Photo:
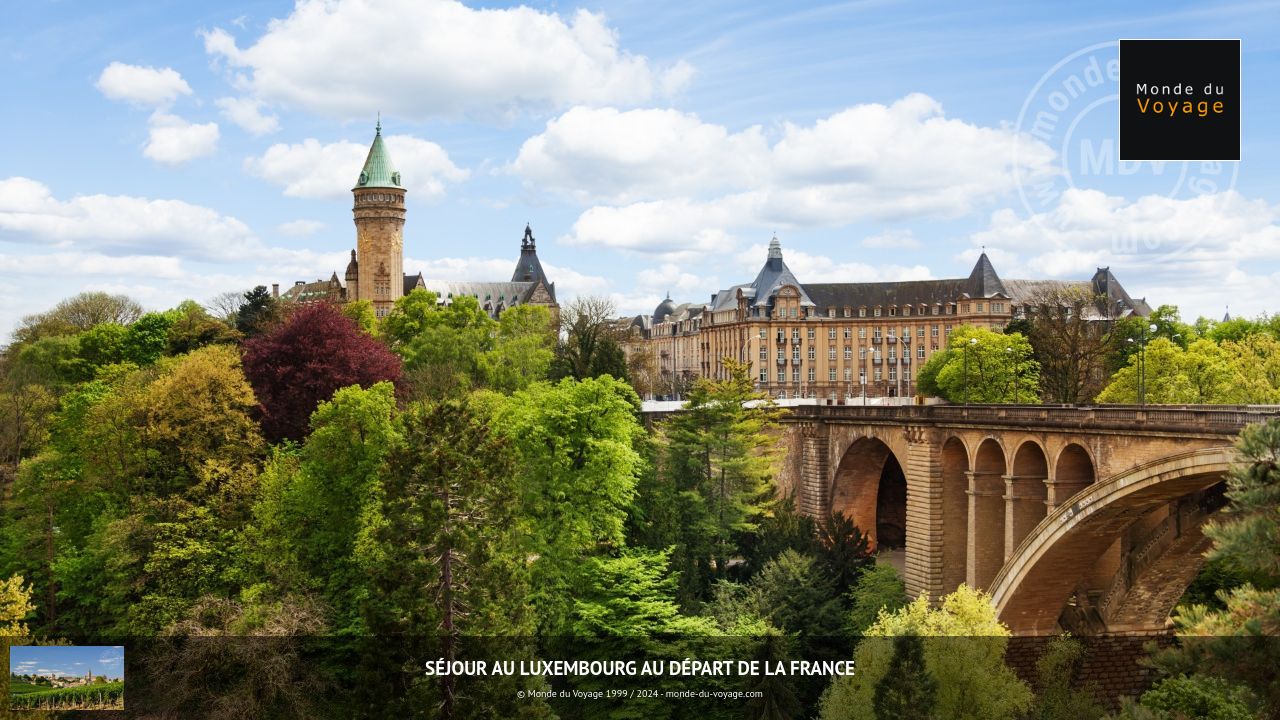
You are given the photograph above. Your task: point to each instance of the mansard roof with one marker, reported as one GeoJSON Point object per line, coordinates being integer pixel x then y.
{"type": "Point", "coordinates": [774, 275]}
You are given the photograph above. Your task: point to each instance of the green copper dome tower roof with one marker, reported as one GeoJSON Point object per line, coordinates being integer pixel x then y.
{"type": "Point", "coordinates": [378, 171]}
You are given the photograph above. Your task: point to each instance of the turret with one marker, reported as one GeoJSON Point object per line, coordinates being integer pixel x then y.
{"type": "Point", "coordinates": [379, 216]}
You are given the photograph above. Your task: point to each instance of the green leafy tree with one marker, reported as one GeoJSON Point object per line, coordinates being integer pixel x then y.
{"type": "Point", "coordinates": [15, 606]}
{"type": "Point", "coordinates": [1255, 366]}
{"type": "Point", "coordinates": [442, 345]}
{"type": "Point", "coordinates": [147, 338]}
{"type": "Point", "coordinates": [522, 349]}
{"type": "Point", "coordinates": [575, 477]}
{"type": "Point", "coordinates": [192, 328]}
{"type": "Point", "coordinates": [1166, 379]}
{"type": "Point", "coordinates": [77, 314]}
{"type": "Point", "coordinates": [793, 593]}
{"type": "Point", "coordinates": [1055, 698]}
{"type": "Point", "coordinates": [361, 311]}
{"type": "Point", "coordinates": [720, 458]}
{"type": "Point", "coordinates": [631, 595]}
{"type": "Point", "coordinates": [1192, 698]}
{"type": "Point", "coordinates": [878, 588]}
{"type": "Point", "coordinates": [101, 345]}
{"type": "Point", "coordinates": [964, 646]}
{"type": "Point", "coordinates": [257, 311]}
{"type": "Point", "coordinates": [982, 366]}
{"type": "Point", "coordinates": [590, 347]}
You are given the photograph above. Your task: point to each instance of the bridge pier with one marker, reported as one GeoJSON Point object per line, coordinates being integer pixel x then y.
{"type": "Point", "coordinates": [926, 524]}
{"type": "Point", "coordinates": [986, 526]}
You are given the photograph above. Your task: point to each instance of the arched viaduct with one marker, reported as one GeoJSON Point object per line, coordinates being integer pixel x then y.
{"type": "Point", "coordinates": [1085, 519]}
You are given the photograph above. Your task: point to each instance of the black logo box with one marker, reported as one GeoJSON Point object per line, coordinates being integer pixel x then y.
{"type": "Point", "coordinates": [1160, 77]}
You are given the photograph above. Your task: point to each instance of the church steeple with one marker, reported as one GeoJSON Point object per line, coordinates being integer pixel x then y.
{"type": "Point", "coordinates": [528, 268]}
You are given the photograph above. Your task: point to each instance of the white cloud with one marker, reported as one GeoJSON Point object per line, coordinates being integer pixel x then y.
{"type": "Point", "coordinates": [674, 279]}
{"type": "Point", "coordinates": [619, 157]}
{"type": "Point", "coordinates": [118, 224]}
{"type": "Point", "coordinates": [810, 268]}
{"type": "Point", "coordinates": [347, 58]}
{"type": "Point", "coordinates": [1199, 252]}
{"type": "Point", "coordinates": [142, 85]}
{"type": "Point", "coordinates": [892, 240]}
{"type": "Point", "coordinates": [248, 114]}
{"type": "Point", "coordinates": [666, 180]}
{"type": "Point", "coordinates": [174, 141]}
{"type": "Point", "coordinates": [300, 227]}
{"type": "Point", "coordinates": [78, 263]}
{"type": "Point", "coordinates": [313, 170]}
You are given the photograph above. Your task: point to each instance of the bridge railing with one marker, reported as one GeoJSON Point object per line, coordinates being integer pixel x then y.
{"type": "Point", "coordinates": [1210, 418]}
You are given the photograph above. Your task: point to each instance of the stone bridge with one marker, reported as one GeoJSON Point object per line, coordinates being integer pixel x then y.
{"type": "Point", "coordinates": [1079, 518]}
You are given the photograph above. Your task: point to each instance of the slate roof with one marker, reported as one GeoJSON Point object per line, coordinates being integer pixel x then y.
{"type": "Point", "coordinates": [378, 172]}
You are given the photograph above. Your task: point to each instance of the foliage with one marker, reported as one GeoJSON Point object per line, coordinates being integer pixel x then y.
{"type": "Point", "coordinates": [590, 348]}
{"type": "Point", "coordinates": [1055, 698]}
{"type": "Point", "coordinates": [522, 349]}
{"type": "Point", "coordinates": [76, 314]}
{"type": "Point", "coordinates": [258, 311]}
{"type": "Point", "coordinates": [15, 606]}
{"type": "Point", "coordinates": [361, 311]}
{"type": "Point", "coordinates": [878, 589]}
{"type": "Point", "coordinates": [1244, 371]}
{"type": "Point", "coordinates": [780, 528]}
{"type": "Point", "coordinates": [994, 368]}
{"type": "Point", "coordinates": [1070, 342]}
{"type": "Point", "coordinates": [192, 328]}
{"type": "Point", "coordinates": [844, 552]}
{"type": "Point", "coordinates": [1198, 698]}
{"type": "Point", "coordinates": [631, 595]}
{"type": "Point", "coordinates": [300, 363]}
{"type": "Point", "coordinates": [147, 338]}
{"type": "Point", "coordinates": [794, 594]}
{"type": "Point", "coordinates": [1237, 643]}
{"type": "Point", "coordinates": [720, 459]}
{"type": "Point", "coordinates": [907, 689]}
{"type": "Point", "coordinates": [964, 648]}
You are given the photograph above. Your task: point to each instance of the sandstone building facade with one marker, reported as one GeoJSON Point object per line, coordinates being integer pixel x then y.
{"type": "Point", "coordinates": [376, 270]}
{"type": "Point", "coordinates": [835, 340]}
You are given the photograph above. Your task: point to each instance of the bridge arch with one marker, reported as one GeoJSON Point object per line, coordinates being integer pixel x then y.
{"type": "Point", "coordinates": [870, 488]}
{"type": "Point", "coordinates": [1033, 587]}
{"type": "Point", "coordinates": [955, 512]}
{"type": "Point", "coordinates": [986, 512]}
{"type": "Point", "coordinates": [1027, 493]}
{"type": "Point", "coordinates": [1073, 470]}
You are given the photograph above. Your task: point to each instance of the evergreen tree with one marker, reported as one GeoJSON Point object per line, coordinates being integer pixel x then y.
{"type": "Point", "coordinates": [720, 459]}
{"type": "Point", "coordinates": [257, 311]}
{"type": "Point", "coordinates": [907, 689]}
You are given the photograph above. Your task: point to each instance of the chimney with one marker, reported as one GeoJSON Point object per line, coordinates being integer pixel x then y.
{"type": "Point", "coordinates": [275, 289]}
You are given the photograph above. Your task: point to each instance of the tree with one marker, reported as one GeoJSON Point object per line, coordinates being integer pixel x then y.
{"type": "Point", "coordinates": [878, 589]}
{"type": "Point", "coordinates": [994, 368]}
{"type": "Point", "coordinates": [1070, 341]}
{"type": "Point", "coordinates": [78, 313]}
{"type": "Point", "coordinates": [630, 595]}
{"type": "Point", "coordinates": [257, 312]}
{"type": "Point", "coordinates": [720, 459]}
{"type": "Point", "coordinates": [1255, 367]}
{"type": "Point", "coordinates": [1194, 698]}
{"type": "Point", "coordinates": [964, 646]}
{"type": "Point", "coordinates": [300, 363]}
{"type": "Point", "coordinates": [1237, 643]}
{"type": "Point", "coordinates": [147, 338]}
{"type": "Point", "coordinates": [442, 345]}
{"type": "Point", "coordinates": [843, 551]}
{"type": "Point", "coordinates": [1055, 698]}
{"type": "Point", "coordinates": [907, 689]}
{"type": "Point", "coordinates": [574, 478]}
{"type": "Point", "coordinates": [193, 328]}
{"type": "Point", "coordinates": [522, 349]}
{"type": "Point", "coordinates": [590, 348]}
{"type": "Point", "coordinates": [15, 606]}
{"type": "Point", "coordinates": [794, 594]}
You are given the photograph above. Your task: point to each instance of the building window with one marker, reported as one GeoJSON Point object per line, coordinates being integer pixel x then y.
{"type": "Point", "coordinates": [862, 353]}
{"type": "Point", "coordinates": [878, 376]}
{"type": "Point", "coordinates": [893, 374]}
{"type": "Point", "coordinates": [812, 375]}
{"type": "Point", "coordinates": [862, 312]}
{"type": "Point", "coordinates": [764, 334]}
{"type": "Point", "coordinates": [848, 333]}
{"type": "Point", "coordinates": [764, 353]}
{"type": "Point", "coordinates": [795, 353]}
{"type": "Point", "coordinates": [831, 312]}
{"type": "Point", "coordinates": [831, 333]}
{"type": "Point", "coordinates": [846, 312]}
{"type": "Point", "coordinates": [933, 331]}
{"type": "Point", "coordinates": [764, 375]}
{"type": "Point", "coordinates": [848, 373]}
{"type": "Point", "coordinates": [893, 311]}
{"type": "Point", "coordinates": [782, 376]}
{"type": "Point", "coordinates": [862, 376]}
{"type": "Point", "coordinates": [920, 351]}
{"type": "Point", "coordinates": [877, 312]}
{"type": "Point", "coordinates": [948, 332]}
{"type": "Point", "coordinates": [795, 375]}
{"type": "Point", "coordinates": [875, 334]}
{"type": "Point", "coordinates": [831, 353]}
{"type": "Point", "coordinates": [862, 333]}
{"type": "Point", "coordinates": [997, 307]}
{"type": "Point", "coordinates": [811, 331]}
{"type": "Point", "coordinates": [906, 310]}
{"type": "Point", "coordinates": [848, 353]}
{"type": "Point", "coordinates": [979, 307]}
{"type": "Point", "coordinates": [920, 331]}
{"type": "Point", "coordinates": [934, 348]}
{"type": "Point", "coordinates": [813, 352]}
{"type": "Point", "coordinates": [831, 375]}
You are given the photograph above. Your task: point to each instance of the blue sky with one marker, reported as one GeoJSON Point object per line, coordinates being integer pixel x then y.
{"type": "Point", "coordinates": [170, 150]}
{"type": "Point", "coordinates": [70, 661]}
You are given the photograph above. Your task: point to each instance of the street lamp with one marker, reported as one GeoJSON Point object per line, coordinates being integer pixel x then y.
{"type": "Point", "coordinates": [1142, 362]}
{"type": "Point", "coordinates": [1013, 375]}
{"type": "Point", "coordinates": [972, 342]}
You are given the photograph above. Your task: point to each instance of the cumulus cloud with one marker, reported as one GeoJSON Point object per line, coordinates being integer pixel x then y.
{"type": "Point", "coordinates": [248, 114]}
{"type": "Point", "coordinates": [676, 180]}
{"type": "Point", "coordinates": [142, 85]}
{"type": "Point", "coordinates": [892, 240]}
{"type": "Point", "coordinates": [118, 224]}
{"type": "Point", "coordinates": [312, 169]}
{"type": "Point", "coordinates": [300, 227]}
{"type": "Point", "coordinates": [173, 141]}
{"type": "Point", "coordinates": [96, 264]}
{"type": "Point", "coordinates": [811, 268]}
{"type": "Point", "coordinates": [419, 59]}
{"type": "Point", "coordinates": [603, 154]}
{"type": "Point", "coordinates": [1188, 251]}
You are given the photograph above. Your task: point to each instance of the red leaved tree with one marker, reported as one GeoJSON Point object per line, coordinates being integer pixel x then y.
{"type": "Point", "coordinates": [301, 362]}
